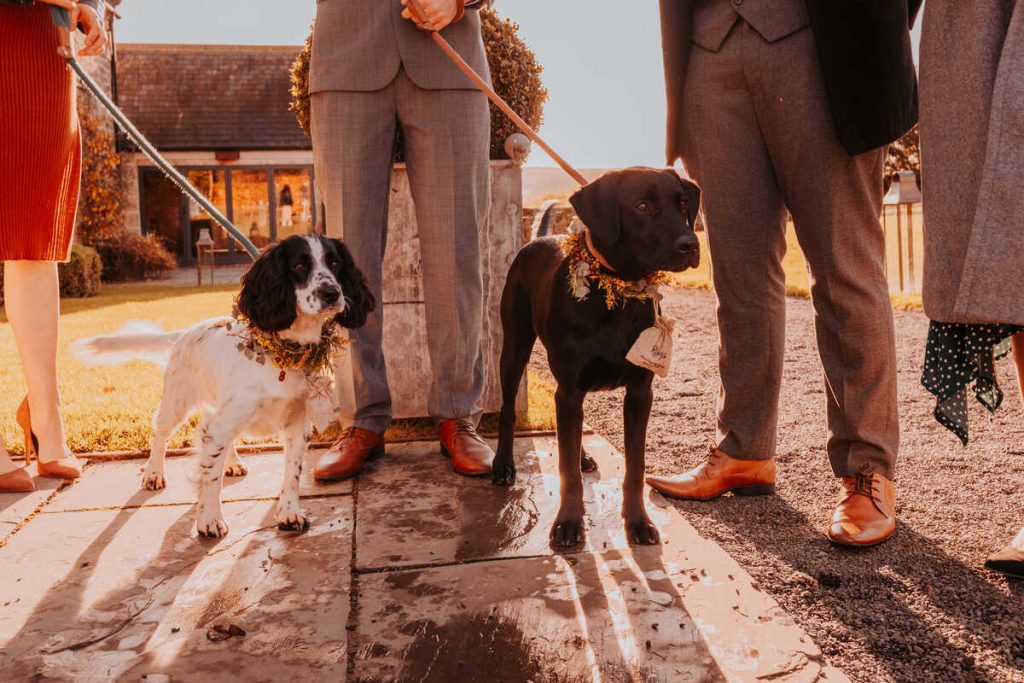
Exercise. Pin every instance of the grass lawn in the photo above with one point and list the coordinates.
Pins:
(109, 408)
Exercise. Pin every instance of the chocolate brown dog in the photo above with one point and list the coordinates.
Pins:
(640, 222)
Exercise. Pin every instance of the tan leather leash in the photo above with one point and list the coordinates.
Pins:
(480, 83)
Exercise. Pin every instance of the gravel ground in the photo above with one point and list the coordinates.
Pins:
(919, 608)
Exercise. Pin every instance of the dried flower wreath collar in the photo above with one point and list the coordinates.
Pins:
(263, 347)
(587, 269)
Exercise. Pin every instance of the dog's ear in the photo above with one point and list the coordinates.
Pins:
(597, 205)
(692, 193)
(267, 297)
(359, 300)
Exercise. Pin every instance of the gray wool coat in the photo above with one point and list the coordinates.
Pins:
(972, 147)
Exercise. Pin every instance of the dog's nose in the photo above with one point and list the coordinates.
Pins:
(329, 294)
(687, 245)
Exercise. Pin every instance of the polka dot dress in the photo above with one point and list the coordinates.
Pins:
(957, 356)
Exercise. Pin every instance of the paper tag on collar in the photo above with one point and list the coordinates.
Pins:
(653, 348)
(322, 405)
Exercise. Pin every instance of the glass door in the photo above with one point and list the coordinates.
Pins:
(162, 211)
(213, 184)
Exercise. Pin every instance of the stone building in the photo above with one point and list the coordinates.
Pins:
(220, 115)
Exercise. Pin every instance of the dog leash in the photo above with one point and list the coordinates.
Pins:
(62, 19)
(493, 96)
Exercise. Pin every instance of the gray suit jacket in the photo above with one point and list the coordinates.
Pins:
(361, 44)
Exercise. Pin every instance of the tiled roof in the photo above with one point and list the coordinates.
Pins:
(210, 97)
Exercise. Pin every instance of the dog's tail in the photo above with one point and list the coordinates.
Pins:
(137, 340)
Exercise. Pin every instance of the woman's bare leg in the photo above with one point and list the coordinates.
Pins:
(6, 464)
(32, 300)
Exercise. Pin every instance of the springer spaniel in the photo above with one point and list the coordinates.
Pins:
(232, 370)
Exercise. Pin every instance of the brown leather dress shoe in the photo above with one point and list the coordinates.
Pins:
(346, 455)
(469, 453)
(719, 474)
(867, 513)
(1009, 561)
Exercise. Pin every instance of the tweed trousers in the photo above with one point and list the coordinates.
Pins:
(759, 137)
(447, 135)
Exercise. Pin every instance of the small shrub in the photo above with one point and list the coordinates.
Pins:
(80, 277)
(127, 256)
(515, 74)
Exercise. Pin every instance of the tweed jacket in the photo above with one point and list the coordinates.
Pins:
(359, 45)
(864, 49)
(972, 161)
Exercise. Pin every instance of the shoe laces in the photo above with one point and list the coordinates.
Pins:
(343, 440)
(469, 429)
(864, 481)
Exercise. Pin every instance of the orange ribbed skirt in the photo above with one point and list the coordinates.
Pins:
(40, 142)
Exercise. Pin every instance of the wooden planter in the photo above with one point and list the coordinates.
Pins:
(405, 342)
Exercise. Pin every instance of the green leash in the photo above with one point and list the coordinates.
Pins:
(62, 19)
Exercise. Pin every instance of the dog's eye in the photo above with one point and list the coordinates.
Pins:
(643, 207)
(684, 205)
(334, 263)
(299, 267)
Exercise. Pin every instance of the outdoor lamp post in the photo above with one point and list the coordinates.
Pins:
(902, 224)
(204, 254)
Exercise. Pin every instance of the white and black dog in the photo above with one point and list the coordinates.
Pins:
(292, 291)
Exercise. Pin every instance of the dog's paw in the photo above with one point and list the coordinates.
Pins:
(212, 527)
(292, 518)
(567, 531)
(641, 531)
(587, 464)
(153, 481)
(503, 474)
(236, 469)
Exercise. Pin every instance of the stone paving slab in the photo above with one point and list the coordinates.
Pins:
(430, 569)
(122, 594)
(454, 581)
(446, 518)
(15, 508)
(586, 617)
(117, 484)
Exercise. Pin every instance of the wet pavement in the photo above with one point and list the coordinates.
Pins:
(408, 573)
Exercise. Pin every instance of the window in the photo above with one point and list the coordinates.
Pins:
(267, 205)
(250, 203)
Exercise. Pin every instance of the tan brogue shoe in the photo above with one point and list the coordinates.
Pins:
(866, 515)
(719, 474)
(346, 455)
(469, 453)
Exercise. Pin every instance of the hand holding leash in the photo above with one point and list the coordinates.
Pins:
(431, 15)
(415, 8)
(89, 20)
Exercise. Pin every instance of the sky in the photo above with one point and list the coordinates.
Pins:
(602, 66)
